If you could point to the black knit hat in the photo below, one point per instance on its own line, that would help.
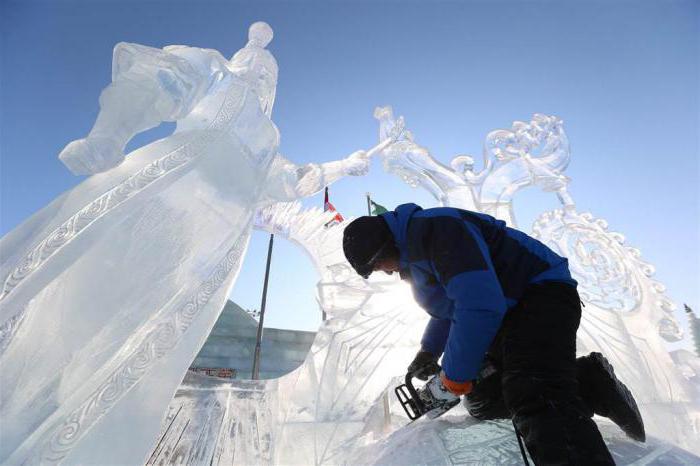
(365, 241)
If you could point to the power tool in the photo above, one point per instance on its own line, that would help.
(432, 399)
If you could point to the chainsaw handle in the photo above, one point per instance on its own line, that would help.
(408, 380)
(410, 402)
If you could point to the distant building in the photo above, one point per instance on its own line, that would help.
(228, 352)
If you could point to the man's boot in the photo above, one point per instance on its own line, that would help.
(602, 391)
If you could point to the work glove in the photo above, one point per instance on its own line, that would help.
(424, 365)
(436, 398)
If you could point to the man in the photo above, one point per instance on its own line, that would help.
(504, 313)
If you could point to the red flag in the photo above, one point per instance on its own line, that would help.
(327, 206)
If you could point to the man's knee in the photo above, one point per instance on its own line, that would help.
(484, 409)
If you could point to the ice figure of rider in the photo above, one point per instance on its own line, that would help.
(109, 291)
(187, 85)
(504, 314)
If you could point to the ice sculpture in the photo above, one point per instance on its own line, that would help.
(627, 316)
(414, 164)
(534, 153)
(109, 291)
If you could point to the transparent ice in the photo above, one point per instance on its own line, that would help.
(110, 290)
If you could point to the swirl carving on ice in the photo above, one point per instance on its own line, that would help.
(165, 335)
(535, 153)
(605, 269)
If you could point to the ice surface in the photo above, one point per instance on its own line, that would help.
(157, 238)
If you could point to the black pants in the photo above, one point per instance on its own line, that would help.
(533, 359)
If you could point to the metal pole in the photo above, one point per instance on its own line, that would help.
(369, 206)
(258, 340)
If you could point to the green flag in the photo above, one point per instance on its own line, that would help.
(378, 209)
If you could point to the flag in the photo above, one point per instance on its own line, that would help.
(378, 209)
(328, 207)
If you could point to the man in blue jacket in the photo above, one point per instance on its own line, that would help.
(500, 302)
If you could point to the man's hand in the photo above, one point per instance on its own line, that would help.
(356, 164)
(436, 398)
(424, 365)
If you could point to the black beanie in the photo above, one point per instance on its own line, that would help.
(363, 239)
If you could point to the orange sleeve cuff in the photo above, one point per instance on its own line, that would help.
(456, 388)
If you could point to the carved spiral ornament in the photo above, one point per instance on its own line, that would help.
(608, 272)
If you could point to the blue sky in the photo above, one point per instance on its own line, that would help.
(622, 75)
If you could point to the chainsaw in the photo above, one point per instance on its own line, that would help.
(432, 399)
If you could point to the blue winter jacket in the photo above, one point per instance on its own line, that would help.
(466, 270)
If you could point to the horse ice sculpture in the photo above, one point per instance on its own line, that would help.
(108, 293)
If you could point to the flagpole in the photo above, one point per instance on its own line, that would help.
(369, 206)
(258, 339)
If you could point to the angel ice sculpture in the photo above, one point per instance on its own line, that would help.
(109, 291)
